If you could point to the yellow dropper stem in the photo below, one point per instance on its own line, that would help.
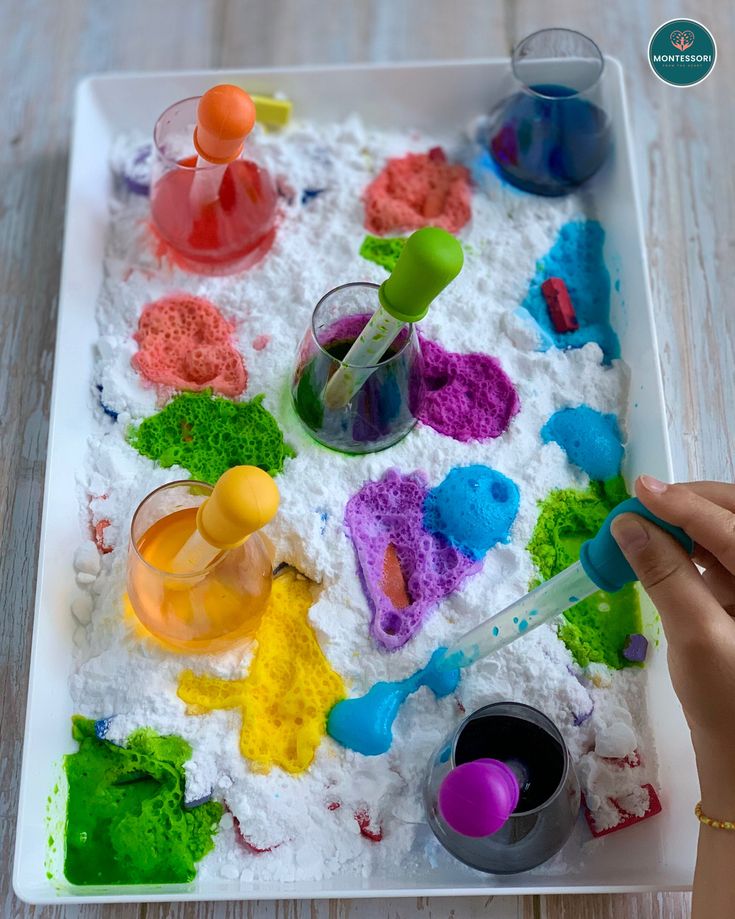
(243, 500)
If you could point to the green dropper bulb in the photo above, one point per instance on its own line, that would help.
(430, 260)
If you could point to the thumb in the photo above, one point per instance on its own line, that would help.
(668, 575)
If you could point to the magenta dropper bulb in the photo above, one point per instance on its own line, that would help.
(477, 798)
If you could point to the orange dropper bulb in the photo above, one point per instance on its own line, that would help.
(225, 117)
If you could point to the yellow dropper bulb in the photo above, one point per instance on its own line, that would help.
(244, 499)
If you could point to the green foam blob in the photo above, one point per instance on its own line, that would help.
(125, 817)
(208, 435)
(383, 250)
(596, 629)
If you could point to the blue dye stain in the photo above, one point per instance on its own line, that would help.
(590, 440)
(472, 509)
(617, 285)
(106, 408)
(365, 724)
(323, 517)
(522, 625)
(515, 619)
(574, 599)
(496, 630)
(101, 727)
(308, 194)
(577, 258)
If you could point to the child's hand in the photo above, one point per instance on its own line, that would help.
(696, 611)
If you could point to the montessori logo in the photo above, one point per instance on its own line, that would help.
(682, 52)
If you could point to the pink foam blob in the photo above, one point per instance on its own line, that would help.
(418, 190)
(186, 343)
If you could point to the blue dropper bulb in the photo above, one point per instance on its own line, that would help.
(601, 558)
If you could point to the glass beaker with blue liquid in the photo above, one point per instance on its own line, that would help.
(552, 132)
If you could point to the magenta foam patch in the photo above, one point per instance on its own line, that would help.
(387, 513)
(467, 396)
(464, 396)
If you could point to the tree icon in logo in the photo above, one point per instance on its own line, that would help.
(682, 40)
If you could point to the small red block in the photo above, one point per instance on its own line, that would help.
(559, 305)
(626, 820)
(437, 155)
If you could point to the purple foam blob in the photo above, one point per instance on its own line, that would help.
(390, 512)
(636, 647)
(463, 396)
(467, 396)
(477, 798)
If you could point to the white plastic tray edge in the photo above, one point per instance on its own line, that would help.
(60, 503)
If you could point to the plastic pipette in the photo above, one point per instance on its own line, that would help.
(430, 260)
(244, 499)
(602, 566)
(225, 117)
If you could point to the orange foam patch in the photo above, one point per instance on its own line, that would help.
(185, 342)
(393, 582)
(418, 190)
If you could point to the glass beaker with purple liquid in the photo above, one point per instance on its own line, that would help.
(384, 408)
(552, 132)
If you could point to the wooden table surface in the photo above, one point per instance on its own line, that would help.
(684, 142)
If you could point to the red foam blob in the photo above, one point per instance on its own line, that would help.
(418, 190)
(185, 342)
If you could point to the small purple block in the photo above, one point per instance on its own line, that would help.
(636, 648)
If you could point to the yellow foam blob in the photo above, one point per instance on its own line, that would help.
(289, 691)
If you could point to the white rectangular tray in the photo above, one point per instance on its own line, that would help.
(657, 854)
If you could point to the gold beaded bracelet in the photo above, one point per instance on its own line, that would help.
(708, 821)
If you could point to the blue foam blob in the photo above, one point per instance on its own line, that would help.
(590, 440)
(472, 509)
(577, 258)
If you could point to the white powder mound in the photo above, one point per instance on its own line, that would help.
(601, 713)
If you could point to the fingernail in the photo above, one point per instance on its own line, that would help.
(629, 533)
(653, 485)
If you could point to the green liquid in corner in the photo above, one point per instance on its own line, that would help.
(125, 817)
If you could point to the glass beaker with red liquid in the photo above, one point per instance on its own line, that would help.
(230, 232)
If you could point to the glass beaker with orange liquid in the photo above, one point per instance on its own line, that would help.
(193, 595)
